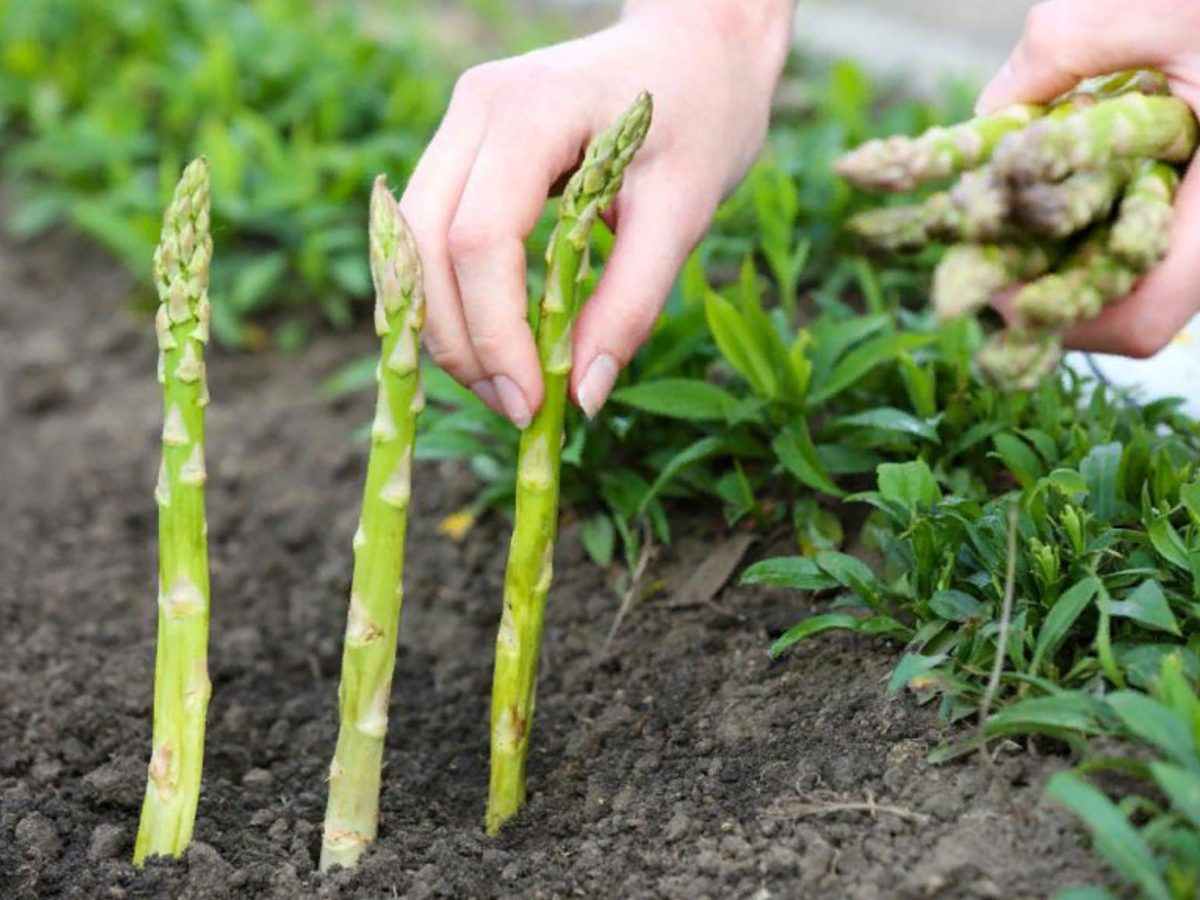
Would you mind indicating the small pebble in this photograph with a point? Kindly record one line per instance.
(108, 842)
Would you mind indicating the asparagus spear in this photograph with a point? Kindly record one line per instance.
(1017, 359)
(1088, 278)
(181, 684)
(1060, 209)
(369, 653)
(901, 163)
(1128, 127)
(1141, 234)
(968, 275)
(529, 570)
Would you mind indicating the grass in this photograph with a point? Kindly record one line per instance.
(791, 381)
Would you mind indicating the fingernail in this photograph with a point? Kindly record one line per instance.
(597, 382)
(513, 401)
(996, 92)
(486, 391)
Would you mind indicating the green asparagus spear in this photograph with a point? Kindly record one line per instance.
(1128, 127)
(1141, 234)
(901, 163)
(369, 653)
(975, 209)
(181, 684)
(529, 570)
(1017, 359)
(1060, 209)
(1087, 279)
(969, 275)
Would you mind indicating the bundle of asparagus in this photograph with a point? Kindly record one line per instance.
(1065, 204)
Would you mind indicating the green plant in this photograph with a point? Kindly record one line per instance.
(181, 684)
(296, 106)
(376, 593)
(530, 562)
(1161, 858)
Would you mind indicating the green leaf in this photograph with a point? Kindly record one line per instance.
(1083, 892)
(1189, 494)
(799, 572)
(913, 666)
(850, 572)
(1182, 785)
(1118, 842)
(1100, 468)
(875, 625)
(1155, 724)
(955, 605)
(1061, 619)
(737, 345)
(864, 359)
(679, 398)
(794, 448)
(599, 537)
(911, 485)
(1019, 459)
(688, 456)
(1061, 714)
(890, 419)
(1148, 605)
(1167, 542)
(255, 279)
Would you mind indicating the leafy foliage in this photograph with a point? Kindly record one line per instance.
(297, 106)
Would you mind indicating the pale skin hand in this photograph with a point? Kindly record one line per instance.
(514, 127)
(1065, 41)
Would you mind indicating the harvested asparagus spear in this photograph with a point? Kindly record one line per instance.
(1060, 209)
(969, 275)
(1088, 278)
(181, 683)
(901, 163)
(1141, 234)
(529, 570)
(1017, 359)
(369, 653)
(1129, 127)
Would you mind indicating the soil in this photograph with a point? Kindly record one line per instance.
(683, 763)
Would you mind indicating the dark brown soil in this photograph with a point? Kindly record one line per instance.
(685, 764)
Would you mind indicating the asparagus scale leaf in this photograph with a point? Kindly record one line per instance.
(529, 569)
(373, 622)
(181, 683)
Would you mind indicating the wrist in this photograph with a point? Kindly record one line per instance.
(755, 34)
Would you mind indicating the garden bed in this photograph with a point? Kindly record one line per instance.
(682, 762)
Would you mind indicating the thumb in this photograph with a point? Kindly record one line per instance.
(1066, 41)
(658, 222)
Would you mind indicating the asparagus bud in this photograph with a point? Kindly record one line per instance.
(181, 684)
(376, 592)
(1016, 360)
(969, 275)
(1088, 278)
(1141, 234)
(529, 570)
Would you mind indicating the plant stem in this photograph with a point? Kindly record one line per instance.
(530, 560)
(376, 593)
(181, 683)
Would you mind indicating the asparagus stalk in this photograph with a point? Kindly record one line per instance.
(181, 683)
(1017, 359)
(1127, 127)
(1088, 278)
(969, 275)
(529, 570)
(1060, 209)
(369, 652)
(975, 209)
(1141, 234)
(902, 163)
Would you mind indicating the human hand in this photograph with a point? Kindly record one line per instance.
(514, 127)
(1065, 41)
